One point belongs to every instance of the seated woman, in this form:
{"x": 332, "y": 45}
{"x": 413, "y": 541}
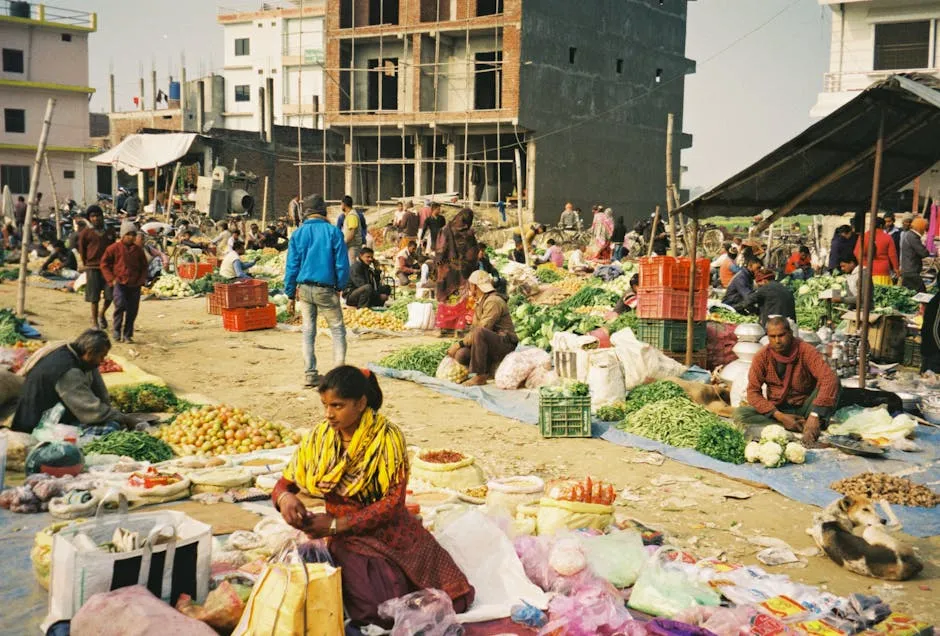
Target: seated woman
{"x": 357, "y": 461}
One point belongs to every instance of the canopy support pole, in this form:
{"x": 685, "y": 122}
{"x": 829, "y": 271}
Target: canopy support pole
{"x": 649, "y": 248}
{"x": 168, "y": 209}
{"x": 866, "y": 278}
{"x": 55, "y": 198}
{"x": 690, "y": 319}
{"x": 673, "y": 245}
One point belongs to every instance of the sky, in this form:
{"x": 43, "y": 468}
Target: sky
{"x": 760, "y": 65}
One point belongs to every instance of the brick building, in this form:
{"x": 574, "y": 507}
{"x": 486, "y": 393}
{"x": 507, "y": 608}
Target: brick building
{"x": 435, "y": 96}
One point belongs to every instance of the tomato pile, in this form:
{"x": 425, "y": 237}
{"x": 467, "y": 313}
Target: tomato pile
{"x": 109, "y": 366}
{"x": 221, "y": 430}
{"x": 587, "y": 491}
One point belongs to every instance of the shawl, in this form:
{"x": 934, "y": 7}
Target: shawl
{"x": 789, "y": 361}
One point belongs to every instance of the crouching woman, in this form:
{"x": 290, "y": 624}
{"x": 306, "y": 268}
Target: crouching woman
{"x": 357, "y": 461}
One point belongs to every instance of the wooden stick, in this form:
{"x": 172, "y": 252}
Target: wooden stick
{"x": 55, "y": 198}
{"x": 866, "y": 278}
{"x": 673, "y": 243}
{"x": 649, "y": 248}
{"x": 690, "y": 318}
{"x": 33, "y": 187}
{"x": 169, "y": 196}
{"x": 264, "y": 205}
{"x": 525, "y": 248}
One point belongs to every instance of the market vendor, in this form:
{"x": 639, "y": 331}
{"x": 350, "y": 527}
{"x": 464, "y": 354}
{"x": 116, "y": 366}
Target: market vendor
{"x": 406, "y": 263}
{"x": 771, "y": 298}
{"x": 357, "y": 461}
{"x": 800, "y": 264}
{"x": 493, "y": 335}
{"x": 69, "y": 374}
{"x": 629, "y": 300}
{"x": 232, "y": 266}
{"x": 848, "y": 264}
{"x": 742, "y": 284}
{"x": 802, "y": 391}
{"x": 553, "y": 254}
{"x": 577, "y": 261}
{"x": 365, "y": 288}
{"x": 62, "y": 255}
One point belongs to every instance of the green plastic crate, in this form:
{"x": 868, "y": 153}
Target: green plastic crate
{"x": 670, "y": 335}
{"x": 565, "y": 416}
{"x": 912, "y": 351}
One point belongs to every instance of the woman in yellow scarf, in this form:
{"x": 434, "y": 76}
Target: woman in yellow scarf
{"x": 356, "y": 460}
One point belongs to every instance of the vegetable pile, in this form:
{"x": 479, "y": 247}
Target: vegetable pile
{"x": 612, "y": 412}
{"x": 441, "y": 456}
{"x": 676, "y": 421}
{"x": 896, "y": 490}
{"x": 587, "y": 491}
{"x": 774, "y": 448}
{"x": 206, "y": 284}
{"x": 809, "y": 309}
{"x": 650, "y": 393}
{"x": 720, "y": 314}
{"x": 218, "y": 430}
{"x": 548, "y": 273}
{"x": 365, "y": 318}
{"x": 109, "y": 366}
{"x": 570, "y": 389}
{"x": 171, "y": 286}
{"x": 134, "y": 444}
{"x": 720, "y": 441}
{"x": 144, "y": 398}
{"x": 535, "y": 324}
{"x": 422, "y": 358}
{"x": 9, "y": 328}
{"x": 894, "y": 297}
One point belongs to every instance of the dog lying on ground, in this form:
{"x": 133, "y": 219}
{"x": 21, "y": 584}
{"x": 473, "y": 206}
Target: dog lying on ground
{"x": 850, "y": 532}
{"x": 715, "y": 397}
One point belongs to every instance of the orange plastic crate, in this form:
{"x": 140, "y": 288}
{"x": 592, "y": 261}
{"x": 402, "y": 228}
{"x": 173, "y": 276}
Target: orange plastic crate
{"x": 657, "y": 271}
{"x": 244, "y": 293}
{"x": 213, "y": 261}
{"x": 250, "y": 318}
{"x": 663, "y": 303}
{"x": 213, "y": 306}
{"x": 680, "y": 274}
{"x": 192, "y": 271}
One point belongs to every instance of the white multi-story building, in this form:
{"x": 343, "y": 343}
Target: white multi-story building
{"x": 45, "y": 54}
{"x": 276, "y": 54}
{"x": 872, "y": 39}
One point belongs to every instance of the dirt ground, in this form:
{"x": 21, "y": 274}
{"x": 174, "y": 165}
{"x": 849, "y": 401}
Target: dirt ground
{"x": 262, "y": 371}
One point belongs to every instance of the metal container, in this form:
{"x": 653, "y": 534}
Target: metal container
{"x": 749, "y": 332}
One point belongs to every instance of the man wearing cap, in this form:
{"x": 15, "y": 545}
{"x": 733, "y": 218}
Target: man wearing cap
{"x": 124, "y": 265}
{"x": 92, "y": 243}
{"x": 317, "y": 269}
{"x": 913, "y": 253}
{"x": 771, "y": 298}
{"x": 493, "y": 335}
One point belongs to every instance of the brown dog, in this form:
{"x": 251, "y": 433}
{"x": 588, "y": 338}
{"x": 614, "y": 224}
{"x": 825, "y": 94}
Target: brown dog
{"x": 714, "y": 397}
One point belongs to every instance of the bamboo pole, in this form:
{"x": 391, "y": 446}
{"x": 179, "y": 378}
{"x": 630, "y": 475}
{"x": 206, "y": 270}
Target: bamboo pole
{"x": 649, "y": 248}
{"x": 525, "y": 248}
{"x": 673, "y": 241}
{"x": 55, "y": 198}
{"x": 866, "y": 291}
{"x": 172, "y": 191}
{"x": 33, "y": 187}
{"x": 690, "y": 317}
{"x": 264, "y": 205}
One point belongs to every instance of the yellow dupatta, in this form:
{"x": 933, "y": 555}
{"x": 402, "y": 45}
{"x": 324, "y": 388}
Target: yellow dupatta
{"x": 374, "y": 460}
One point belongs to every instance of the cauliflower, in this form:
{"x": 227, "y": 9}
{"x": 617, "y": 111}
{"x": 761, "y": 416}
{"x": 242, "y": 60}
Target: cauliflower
{"x": 752, "y": 452}
{"x": 771, "y": 454}
{"x": 775, "y": 433}
{"x": 795, "y": 453}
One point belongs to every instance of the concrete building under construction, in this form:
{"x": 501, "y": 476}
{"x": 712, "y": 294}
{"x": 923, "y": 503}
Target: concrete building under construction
{"x": 473, "y": 96}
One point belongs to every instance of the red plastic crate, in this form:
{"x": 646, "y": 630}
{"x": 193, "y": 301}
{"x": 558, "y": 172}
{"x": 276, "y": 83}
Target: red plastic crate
{"x": 680, "y": 275}
{"x": 213, "y": 262}
{"x": 250, "y": 318}
{"x": 192, "y": 271}
{"x": 244, "y": 293}
{"x": 213, "y": 305}
{"x": 663, "y": 303}
{"x": 657, "y": 271}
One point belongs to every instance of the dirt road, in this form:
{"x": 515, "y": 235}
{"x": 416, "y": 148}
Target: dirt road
{"x": 262, "y": 372}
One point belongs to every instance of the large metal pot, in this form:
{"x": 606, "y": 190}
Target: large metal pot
{"x": 749, "y": 332}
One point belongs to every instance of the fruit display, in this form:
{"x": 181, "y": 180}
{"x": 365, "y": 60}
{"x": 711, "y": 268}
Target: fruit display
{"x": 367, "y": 319}
{"x": 218, "y": 430}
{"x": 109, "y": 366}
{"x": 172, "y": 286}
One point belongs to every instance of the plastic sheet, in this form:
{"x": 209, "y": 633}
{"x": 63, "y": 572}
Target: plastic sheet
{"x": 427, "y": 612}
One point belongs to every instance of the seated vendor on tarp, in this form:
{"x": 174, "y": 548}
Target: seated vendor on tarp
{"x": 802, "y": 390}
{"x": 69, "y": 374}
{"x": 492, "y": 337}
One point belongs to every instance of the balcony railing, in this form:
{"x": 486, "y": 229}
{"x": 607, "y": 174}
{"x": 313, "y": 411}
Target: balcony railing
{"x": 860, "y": 80}
{"x": 46, "y": 13}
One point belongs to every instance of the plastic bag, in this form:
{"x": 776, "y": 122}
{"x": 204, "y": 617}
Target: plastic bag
{"x": 566, "y": 557}
{"x": 453, "y": 316}
{"x": 133, "y": 611}
{"x": 616, "y": 557}
{"x": 451, "y": 371}
{"x": 49, "y": 428}
{"x": 508, "y": 493}
{"x": 605, "y": 375}
{"x": 533, "y": 553}
{"x": 515, "y": 368}
{"x": 665, "y": 590}
{"x": 55, "y": 454}
{"x": 723, "y": 621}
{"x": 221, "y": 611}
{"x": 876, "y": 425}
{"x": 420, "y": 316}
{"x": 642, "y": 361}
{"x": 18, "y": 447}
{"x": 666, "y": 627}
{"x": 540, "y": 377}
{"x": 454, "y": 475}
{"x": 555, "y": 515}
{"x": 590, "y": 610}
{"x": 428, "y": 612}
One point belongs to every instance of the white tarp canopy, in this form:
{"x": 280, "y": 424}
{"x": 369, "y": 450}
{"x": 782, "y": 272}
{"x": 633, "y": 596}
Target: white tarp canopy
{"x": 146, "y": 152}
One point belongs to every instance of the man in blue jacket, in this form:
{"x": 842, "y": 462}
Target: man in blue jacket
{"x": 317, "y": 269}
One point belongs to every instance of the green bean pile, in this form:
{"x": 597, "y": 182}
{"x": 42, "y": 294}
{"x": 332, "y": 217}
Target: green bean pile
{"x": 676, "y": 421}
{"x": 423, "y": 358}
{"x": 650, "y": 393}
{"x": 134, "y": 444}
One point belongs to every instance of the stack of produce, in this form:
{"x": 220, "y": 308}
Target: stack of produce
{"x": 206, "y": 284}
{"x": 775, "y": 448}
{"x": 134, "y": 444}
{"x": 145, "y": 398}
{"x": 217, "y": 430}
{"x": 719, "y": 314}
{"x": 549, "y": 273}
{"x": 895, "y": 490}
{"x": 422, "y": 358}
{"x": 364, "y": 318}
{"x": 649, "y": 393}
{"x": 171, "y": 286}
{"x": 535, "y": 324}
{"x": 10, "y": 328}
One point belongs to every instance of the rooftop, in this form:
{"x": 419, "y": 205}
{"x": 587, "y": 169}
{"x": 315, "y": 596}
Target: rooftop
{"x": 234, "y": 11}
{"x": 18, "y": 12}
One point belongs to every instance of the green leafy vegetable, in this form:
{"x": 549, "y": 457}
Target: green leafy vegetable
{"x": 718, "y": 440}
{"x": 10, "y": 328}
{"x": 423, "y": 358}
{"x": 145, "y": 398}
{"x": 612, "y": 412}
{"x": 206, "y": 284}
{"x": 548, "y": 275}
{"x": 653, "y": 392}
{"x": 134, "y": 444}
{"x": 569, "y": 389}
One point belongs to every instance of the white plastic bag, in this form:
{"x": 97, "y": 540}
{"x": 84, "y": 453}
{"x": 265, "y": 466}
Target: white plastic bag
{"x": 616, "y": 557}
{"x": 642, "y": 361}
{"x": 540, "y": 377}
{"x": 876, "y": 425}
{"x": 420, "y": 316}
{"x": 605, "y": 376}
{"x": 452, "y": 371}
{"x": 515, "y": 368}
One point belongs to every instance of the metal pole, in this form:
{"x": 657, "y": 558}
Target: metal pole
{"x": 649, "y": 248}
{"x": 299, "y": 100}
{"x": 866, "y": 291}
{"x": 33, "y": 187}
{"x": 55, "y": 198}
{"x": 690, "y": 318}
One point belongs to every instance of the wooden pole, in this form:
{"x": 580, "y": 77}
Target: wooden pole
{"x": 916, "y": 198}
{"x": 673, "y": 242}
{"x": 649, "y": 248}
{"x": 525, "y": 248}
{"x": 55, "y": 199}
{"x": 926, "y": 199}
{"x": 866, "y": 278}
{"x": 172, "y": 191}
{"x": 264, "y": 205}
{"x": 690, "y": 318}
{"x": 33, "y": 187}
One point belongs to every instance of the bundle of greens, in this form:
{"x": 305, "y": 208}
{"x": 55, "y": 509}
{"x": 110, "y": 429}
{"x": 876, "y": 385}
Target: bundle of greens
{"x": 10, "y": 328}
{"x": 536, "y": 324}
{"x": 676, "y": 421}
{"x": 134, "y": 444}
{"x": 653, "y": 392}
{"x": 146, "y": 398}
{"x": 894, "y": 298}
{"x": 718, "y": 440}
{"x": 612, "y": 412}
{"x": 548, "y": 274}
{"x": 720, "y": 314}
{"x": 206, "y": 284}
{"x": 422, "y": 358}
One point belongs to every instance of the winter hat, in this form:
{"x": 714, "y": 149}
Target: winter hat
{"x": 919, "y": 225}
{"x": 128, "y": 228}
{"x": 314, "y": 204}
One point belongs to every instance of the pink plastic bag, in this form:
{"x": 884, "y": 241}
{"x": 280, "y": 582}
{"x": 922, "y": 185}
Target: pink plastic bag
{"x": 427, "y": 612}
{"x": 534, "y": 552}
{"x": 723, "y": 621}
{"x": 133, "y": 611}
{"x": 593, "y": 609}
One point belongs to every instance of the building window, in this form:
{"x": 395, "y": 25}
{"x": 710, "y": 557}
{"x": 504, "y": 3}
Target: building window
{"x": 17, "y": 177}
{"x": 382, "y": 89}
{"x": 572, "y": 52}
{"x": 12, "y": 61}
{"x": 620, "y": 66}
{"x": 383, "y": 12}
{"x": 242, "y": 93}
{"x": 69, "y": 174}
{"x": 489, "y": 7}
{"x": 242, "y": 46}
{"x": 66, "y": 37}
{"x": 902, "y": 45}
{"x": 488, "y": 76}
{"x": 14, "y": 120}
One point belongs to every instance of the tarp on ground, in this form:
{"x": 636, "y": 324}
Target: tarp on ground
{"x": 829, "y": 166}
{"x": 146, "y": 152}
{"x": 806, "y": 483}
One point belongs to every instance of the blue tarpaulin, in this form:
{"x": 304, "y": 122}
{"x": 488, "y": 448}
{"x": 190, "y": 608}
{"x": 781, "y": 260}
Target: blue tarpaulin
{"x": 807, "y": 483}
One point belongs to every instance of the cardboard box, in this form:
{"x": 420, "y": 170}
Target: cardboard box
{"x": 886, "y": 334}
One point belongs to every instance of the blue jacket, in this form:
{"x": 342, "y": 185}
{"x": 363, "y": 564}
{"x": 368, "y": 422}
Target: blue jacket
{"x": 316, "y": 254}
{"x": 739, "y": 288}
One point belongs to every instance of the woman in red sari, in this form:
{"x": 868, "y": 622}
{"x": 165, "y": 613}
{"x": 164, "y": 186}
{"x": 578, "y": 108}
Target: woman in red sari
{"x": 357, "y": 461}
